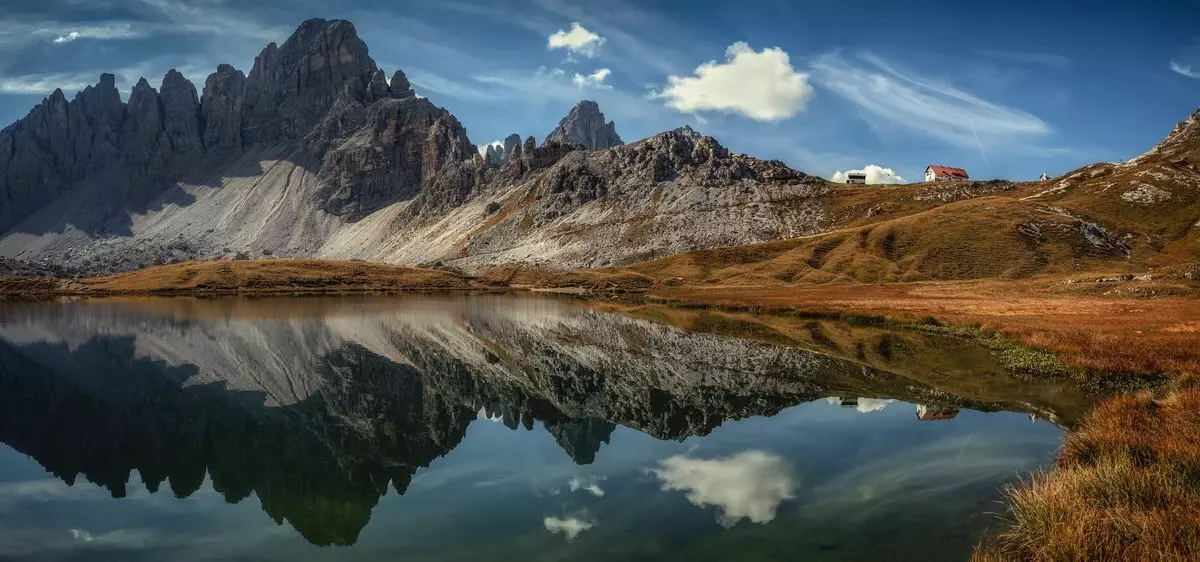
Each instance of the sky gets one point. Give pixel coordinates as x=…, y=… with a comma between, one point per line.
x=1004, y=90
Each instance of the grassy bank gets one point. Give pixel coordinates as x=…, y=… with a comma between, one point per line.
x=1127, y=487
x=274, y=276
x=1099, y=336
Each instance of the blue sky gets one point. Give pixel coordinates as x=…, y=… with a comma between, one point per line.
x=1004, y=90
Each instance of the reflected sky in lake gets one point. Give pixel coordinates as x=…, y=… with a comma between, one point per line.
x=479, y=428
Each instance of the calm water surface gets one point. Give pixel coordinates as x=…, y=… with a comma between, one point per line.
x=484, y=428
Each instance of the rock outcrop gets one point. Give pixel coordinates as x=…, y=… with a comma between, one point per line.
x=406, y=144
x=585, y=125
x=181, y=114
x=399, y=86
x=221, y=108
x=511, y=142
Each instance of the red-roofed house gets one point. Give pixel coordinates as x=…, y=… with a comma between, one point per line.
x=945, y=173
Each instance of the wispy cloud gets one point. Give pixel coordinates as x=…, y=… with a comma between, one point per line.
x=924, y=105
x=1185, y=70
x=44, y=84
x=589, y=486
x=215, y=18
x=104, y=32
x=460, y=89
x=593, y=80
x=70, y=82
x=1028, y=57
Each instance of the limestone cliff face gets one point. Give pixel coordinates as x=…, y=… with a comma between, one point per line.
x=56, y=145
x=403, y=145
x=222, y=107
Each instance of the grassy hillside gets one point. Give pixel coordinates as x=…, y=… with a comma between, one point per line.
x=1138, y=217
x=985, y=237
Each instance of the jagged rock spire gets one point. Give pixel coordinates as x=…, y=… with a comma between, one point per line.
x=585, y=125
x=221, y=108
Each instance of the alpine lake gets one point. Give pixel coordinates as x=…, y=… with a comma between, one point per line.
x=493, y=427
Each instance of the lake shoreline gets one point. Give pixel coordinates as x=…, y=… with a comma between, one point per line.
x=1146, y=349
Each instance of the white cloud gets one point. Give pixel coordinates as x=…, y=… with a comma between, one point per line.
x=593, y=80
x=569, y=526
x=875, y=174
x=591, y=487
x=749, y=485
x=1185, y=70
x=760, y=85
x=929, y=107
x=576, y=41
x=868, y=405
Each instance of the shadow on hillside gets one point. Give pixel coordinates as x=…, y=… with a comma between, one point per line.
x=105, y=203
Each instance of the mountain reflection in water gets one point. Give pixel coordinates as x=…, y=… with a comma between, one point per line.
x=318, y=407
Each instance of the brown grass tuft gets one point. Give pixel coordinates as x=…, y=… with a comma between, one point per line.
x=1127, y=488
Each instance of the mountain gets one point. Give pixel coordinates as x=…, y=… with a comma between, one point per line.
x=585, y=125
x=313, y=153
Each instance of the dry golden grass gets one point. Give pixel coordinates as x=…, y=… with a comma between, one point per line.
x=251, y=277
x=984, y=237
x=1127, y=487
x=1100, y=335
x=533, y=277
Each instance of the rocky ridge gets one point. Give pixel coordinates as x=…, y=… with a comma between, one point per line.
x=314, y=153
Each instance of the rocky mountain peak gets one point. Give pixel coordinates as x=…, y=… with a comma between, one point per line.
x=585, y=125
x=400, y=87
x=291, y=88
x=511, y=142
